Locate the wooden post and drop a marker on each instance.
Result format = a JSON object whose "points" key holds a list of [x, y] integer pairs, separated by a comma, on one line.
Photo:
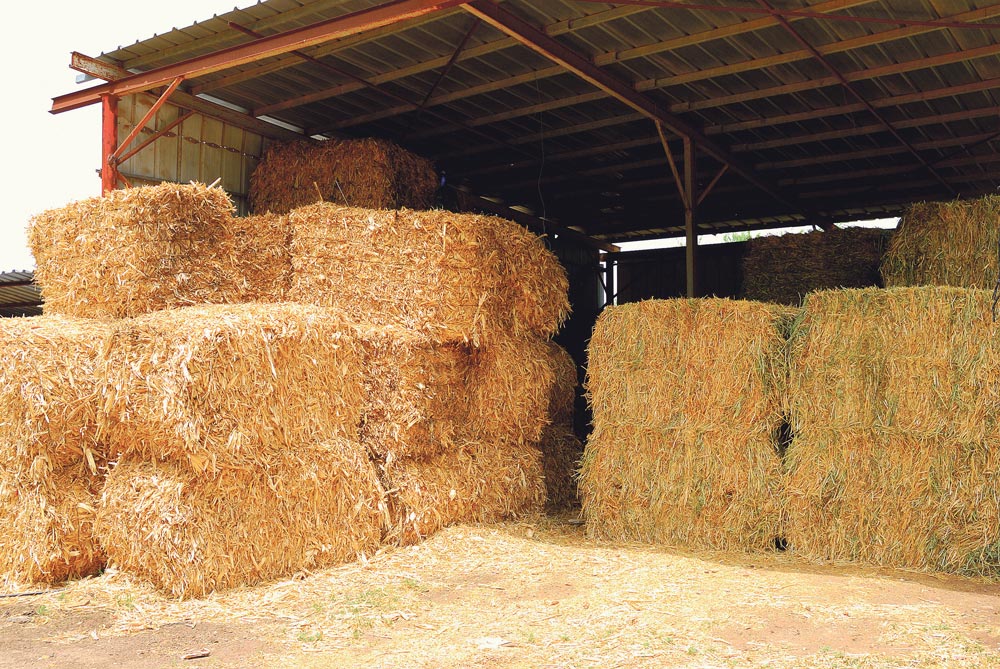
{"points": [[691, 234], [109, 143]]}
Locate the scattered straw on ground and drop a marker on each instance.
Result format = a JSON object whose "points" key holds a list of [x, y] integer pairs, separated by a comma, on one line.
{"points": [[539, 595]]}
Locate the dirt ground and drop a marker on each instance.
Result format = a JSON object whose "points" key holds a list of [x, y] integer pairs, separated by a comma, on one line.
{"points": [[530, 594]]}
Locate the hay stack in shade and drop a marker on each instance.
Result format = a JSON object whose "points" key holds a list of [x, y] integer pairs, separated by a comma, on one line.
{"points": [[46, 527], [784, 268], [895, 412], [946, 243], [453, 277], [479, 481], [230, 385], [367, 172], [561, 449], [136, 250], [51, 459], [312, 506], [687, 397]]}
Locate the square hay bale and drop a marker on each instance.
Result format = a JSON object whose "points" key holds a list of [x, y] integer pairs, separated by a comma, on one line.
{"points": [[192, 533], [367, 172], [561, 455], [946, 244], [688, 397], [46, 527], [50, 371], [262, 257], [454, 277], [479, 482], [783, 269], [136, 250], [895, 412], [416, 393], [562, 399], [230, 385]]}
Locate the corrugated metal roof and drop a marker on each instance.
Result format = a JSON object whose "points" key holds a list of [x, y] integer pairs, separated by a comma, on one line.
{"points": [[509, 122], [19, 296]]}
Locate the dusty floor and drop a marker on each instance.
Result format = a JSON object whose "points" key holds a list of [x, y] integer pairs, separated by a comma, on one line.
{"points": [[523, 595]]}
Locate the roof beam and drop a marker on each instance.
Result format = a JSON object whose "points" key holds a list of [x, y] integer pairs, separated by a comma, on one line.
{"points": [[275, 45], [541, 43], [109, 72]]}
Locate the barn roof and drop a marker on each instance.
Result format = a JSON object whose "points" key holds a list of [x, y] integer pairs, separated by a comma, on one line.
{"points": [[799, 111]]}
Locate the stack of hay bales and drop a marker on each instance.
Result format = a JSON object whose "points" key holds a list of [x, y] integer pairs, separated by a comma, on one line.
{"points": [[946, 243], [51, 460], [257, 405], [783, 269], [561, 449], [687, 397], [895, 413], [408, 386], [368, 172]]}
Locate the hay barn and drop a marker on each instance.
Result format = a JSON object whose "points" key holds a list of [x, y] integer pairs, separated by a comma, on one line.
{"points": [[338, 127]]}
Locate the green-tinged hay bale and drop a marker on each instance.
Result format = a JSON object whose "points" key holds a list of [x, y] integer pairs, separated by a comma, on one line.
{"points": [[784, 268], [895, 412], [366, 172], [688, 397], [49, 393], [190, 534], [263, 263], [416, 394], [454, 277], [231, 385], [946, 243], [136, 250], [561, 456], [479, 482], [46, 527]]}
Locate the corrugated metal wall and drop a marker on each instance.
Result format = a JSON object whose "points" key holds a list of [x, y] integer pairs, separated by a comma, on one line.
{"points": [[662, 273], [199, 149]]}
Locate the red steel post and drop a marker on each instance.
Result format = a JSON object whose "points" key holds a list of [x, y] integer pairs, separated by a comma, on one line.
{"points": [[109, 143]]}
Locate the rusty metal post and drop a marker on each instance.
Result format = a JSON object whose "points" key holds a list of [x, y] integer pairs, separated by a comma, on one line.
{"points": [[109, 143], [690, 232]]}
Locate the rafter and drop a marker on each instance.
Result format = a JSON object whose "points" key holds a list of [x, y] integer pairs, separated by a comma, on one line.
{"points": [[275, 45]]}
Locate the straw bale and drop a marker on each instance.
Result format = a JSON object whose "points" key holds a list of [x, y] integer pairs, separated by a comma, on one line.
{"points": [[480, 481], [688, 396], [454, 277], [365, 172], [416, 393], [230, 385], [895, 414], [561, 455], [946, 243], [262, 258], [49, 385], [562, 400], [135, 250], [191, 533], [46, 527], [784, 268]]}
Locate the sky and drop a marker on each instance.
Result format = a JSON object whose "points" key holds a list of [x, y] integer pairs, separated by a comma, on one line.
{"points": [[51, 160]]}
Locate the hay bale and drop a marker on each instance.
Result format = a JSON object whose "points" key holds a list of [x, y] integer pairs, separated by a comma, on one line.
{"points": [[561, 456], [687, 397], [50, 370], [416, 393], [262, 257], [784, 268], [479, 481], [454, 277], [135, 250], [230, 385], [895, 412], [562, 399], [191, 533], [368, 172], [46, 527], [946, 243]]}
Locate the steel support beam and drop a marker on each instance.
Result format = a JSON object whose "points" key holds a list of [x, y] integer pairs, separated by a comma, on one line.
{"points": [[690, 229], [109, 143], [275, 45], [541, 43]]}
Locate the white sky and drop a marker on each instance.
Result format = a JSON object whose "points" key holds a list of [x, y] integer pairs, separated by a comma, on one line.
{"points": [[49, 160]]}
